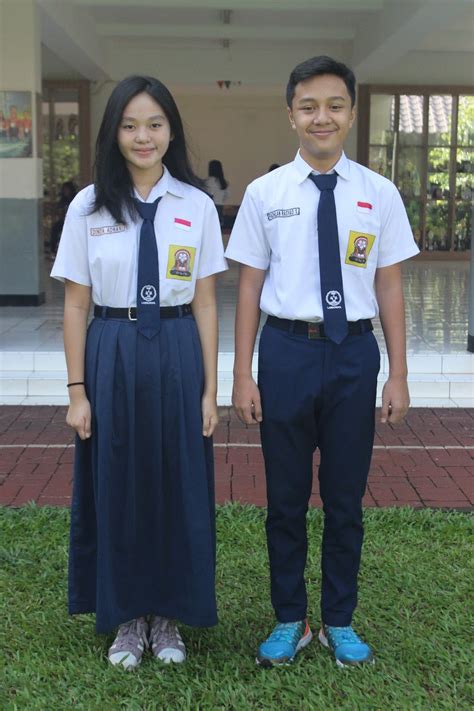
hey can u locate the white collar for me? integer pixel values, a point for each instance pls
(303, 169)
(166, 184)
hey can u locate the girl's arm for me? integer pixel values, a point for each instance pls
(76, 310)
(245, 394)
(205, 312)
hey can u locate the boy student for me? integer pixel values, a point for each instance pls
(320, 242)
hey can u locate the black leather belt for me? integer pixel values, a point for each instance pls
(316, 330)
(130, 313)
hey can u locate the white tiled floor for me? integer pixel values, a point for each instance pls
(32, 365)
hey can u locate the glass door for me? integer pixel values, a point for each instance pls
(66, 152)
(424, 142)
(463, 188)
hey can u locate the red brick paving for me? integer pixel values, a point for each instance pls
(426, 461)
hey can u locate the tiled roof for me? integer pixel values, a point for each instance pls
(411, 114)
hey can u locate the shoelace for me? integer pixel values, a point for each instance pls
(128, 628)
(286, 632)
(166, 630)
(342, 635)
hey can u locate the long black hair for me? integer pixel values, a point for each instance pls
(215, 170)
(113, 182)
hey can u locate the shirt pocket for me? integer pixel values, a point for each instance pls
(112, 252)
(282, 225)
(361, 236)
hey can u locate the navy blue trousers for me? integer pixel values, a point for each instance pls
(316, 394)
(142, 514)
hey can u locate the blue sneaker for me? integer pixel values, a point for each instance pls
(346, 646)
(284, 643)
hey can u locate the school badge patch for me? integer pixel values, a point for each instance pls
(358, 248)
(180, 262)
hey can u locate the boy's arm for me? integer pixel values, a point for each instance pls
(245, 395)
(388, 288)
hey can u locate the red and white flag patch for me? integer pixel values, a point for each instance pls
(364, 206)
(182, 224)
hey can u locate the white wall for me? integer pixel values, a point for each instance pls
(20, 70)
(192, 63)
(246, 133)
(449, 68)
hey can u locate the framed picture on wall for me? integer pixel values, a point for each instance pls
(39, 125)
(16, 124)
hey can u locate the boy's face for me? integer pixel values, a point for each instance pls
(321, 114)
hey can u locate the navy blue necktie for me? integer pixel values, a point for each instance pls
(332, 292)
(148, 282)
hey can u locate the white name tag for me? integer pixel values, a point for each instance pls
(107, 230)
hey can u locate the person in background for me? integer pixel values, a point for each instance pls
(15, 125)
(217, 187)
(3, 126)
(66, 196)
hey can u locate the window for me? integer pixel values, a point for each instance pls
(422, 138)
(66, 143)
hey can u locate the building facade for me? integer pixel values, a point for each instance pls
(228, 69)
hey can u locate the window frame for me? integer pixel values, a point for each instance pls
(365, 92)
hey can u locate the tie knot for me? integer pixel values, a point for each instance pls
(324, 182)
(146, 210)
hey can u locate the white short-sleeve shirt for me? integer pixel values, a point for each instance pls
(218, 194)
(96, 251)
(276, 230)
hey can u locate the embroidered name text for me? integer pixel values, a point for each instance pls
(289, 212)
(108, 230)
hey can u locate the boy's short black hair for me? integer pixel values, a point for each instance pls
(316, 66)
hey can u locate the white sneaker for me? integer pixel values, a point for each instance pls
(166, 642)
(129, 644)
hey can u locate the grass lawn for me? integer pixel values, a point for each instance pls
(415, 593)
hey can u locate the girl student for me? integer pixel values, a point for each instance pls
(217, 186)
(142, 380)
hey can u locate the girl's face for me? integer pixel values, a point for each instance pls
(143, 137)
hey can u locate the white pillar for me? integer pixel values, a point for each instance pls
(21, 179)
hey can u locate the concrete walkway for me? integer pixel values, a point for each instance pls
(427, 461)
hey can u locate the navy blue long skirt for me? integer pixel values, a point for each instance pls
(142, 514)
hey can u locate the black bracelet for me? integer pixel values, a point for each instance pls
(69, 385)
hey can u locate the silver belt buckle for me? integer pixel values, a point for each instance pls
(130, 314)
